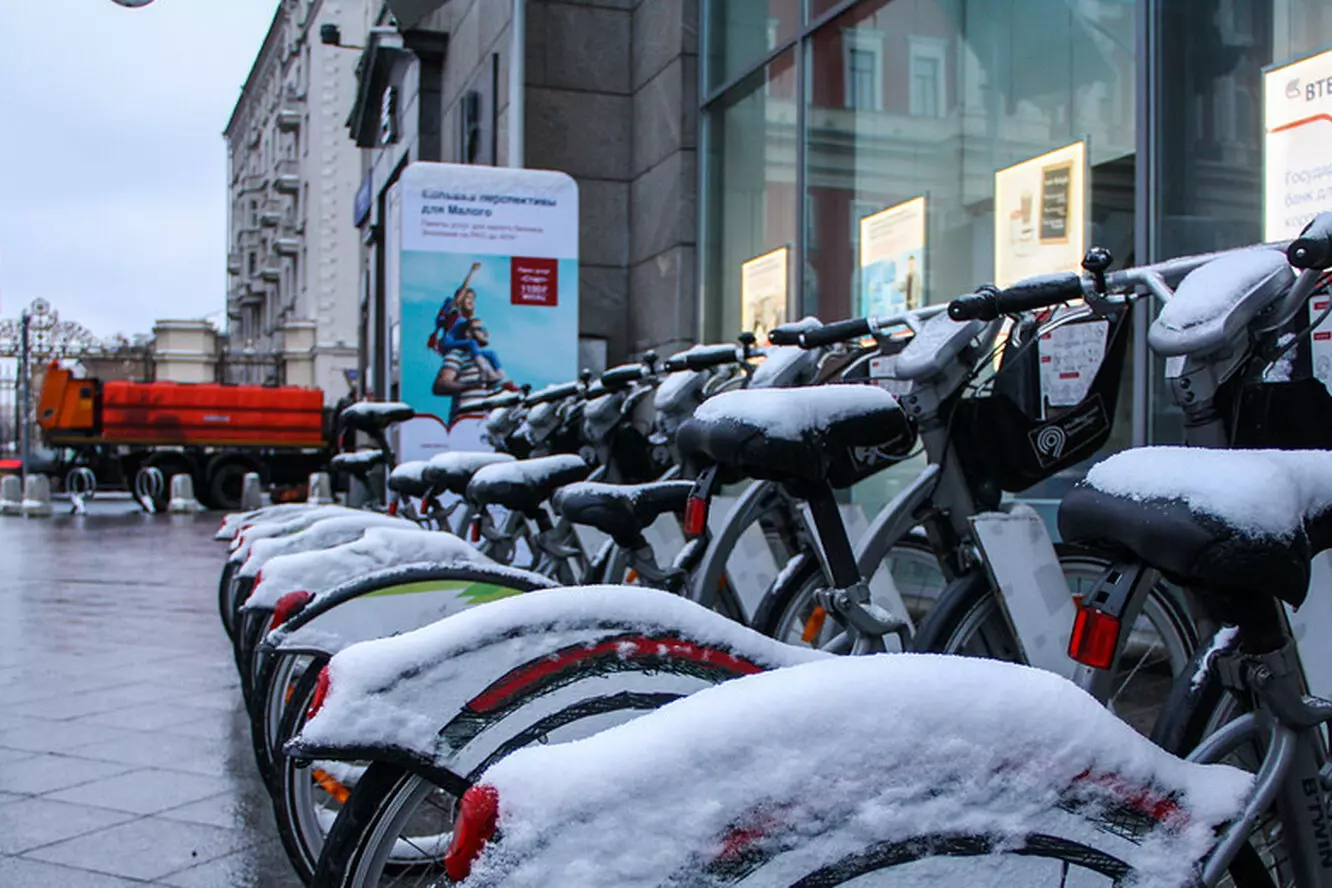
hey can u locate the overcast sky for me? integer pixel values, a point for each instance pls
(112, 165)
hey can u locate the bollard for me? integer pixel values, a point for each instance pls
(321, 489)
(36, 497)
(11, 495)
(252, 495)
(182, 495)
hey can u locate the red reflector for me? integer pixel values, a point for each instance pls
(288, 606)
(476, 823)
(321, 691)
(1095, 637)
(696, 516)
(476, 530)
(393, 508)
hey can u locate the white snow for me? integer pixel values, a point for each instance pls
(793, 413)
(409, 472)
(320, 570)
(783, 365)
(829, 757)
(281, 526)
(400, 691)
(358, 458)
(234, 521)
(375, 408)
(1258, 492)
(1281, 369)
(528, 472)
(934, 335)
(320, 535)
(466, 462)
(1221, 641)
(1204, 298)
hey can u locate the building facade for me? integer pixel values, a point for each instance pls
(293, 298)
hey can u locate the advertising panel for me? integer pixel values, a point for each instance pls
(488, 293)
(892, 259)
(763, 291)
(1297, 169)
(1040, 215)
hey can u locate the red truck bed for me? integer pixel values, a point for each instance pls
(210, 414)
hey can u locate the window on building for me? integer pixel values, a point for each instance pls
(863, 69)
(926, 75)
(251, 264)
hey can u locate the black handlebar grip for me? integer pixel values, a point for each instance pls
(838, 331)
(620, 377)
(978, 306)
(1313, 248)
(785, 334)
(1041, 291)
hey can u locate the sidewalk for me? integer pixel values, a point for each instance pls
(124, 750)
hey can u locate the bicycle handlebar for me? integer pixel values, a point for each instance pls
(703, 357)
(786, 334)
(837, 331)
(617, 378)
(1041, 291)
(1313, 248)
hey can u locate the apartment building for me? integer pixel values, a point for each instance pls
(292, 257)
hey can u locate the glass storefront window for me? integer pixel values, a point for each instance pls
(750, 186)
(739, 34)
(1208, 179)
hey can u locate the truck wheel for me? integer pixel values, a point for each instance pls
(224, 485)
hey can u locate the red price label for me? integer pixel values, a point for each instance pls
(534, 281)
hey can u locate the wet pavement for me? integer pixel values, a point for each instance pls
(124, 748)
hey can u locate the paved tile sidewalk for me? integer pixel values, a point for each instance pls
(124, 750)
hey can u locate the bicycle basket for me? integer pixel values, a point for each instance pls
(1051, 404)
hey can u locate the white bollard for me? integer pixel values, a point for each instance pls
(321, 489)
(36, 496)
(182, 495)
(11, 495)
(252, 495)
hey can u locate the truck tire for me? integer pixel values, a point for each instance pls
(223, 487)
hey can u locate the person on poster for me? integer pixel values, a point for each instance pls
(911, 284)
(451, 321)
(464, 378)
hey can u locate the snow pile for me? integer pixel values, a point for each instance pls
(1257, 492)
(358, 459)
(320, 535)
(399, 691)
(810, 764)
(407, 476)
(528, 472)
(376, 409)
(283, 525)
(466, 463)
(379, 547)
(938, 342)
(785, 365)
(1194, 318)
(234, 521)
(794, 413)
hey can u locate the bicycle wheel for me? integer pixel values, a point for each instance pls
(276, 687)
(393, 830)
(1198, 705)
(224, 597)
(790, 613)
(970, 621)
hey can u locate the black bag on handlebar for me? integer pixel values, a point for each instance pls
(1004, 437)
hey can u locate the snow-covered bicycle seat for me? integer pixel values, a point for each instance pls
(804, 434)
(406, 478)
(935, 347)
(453, 471)
(621, 510)
(524, 484)
(1215, 303)
(357, 462)
(376, 416)
(1231, 520)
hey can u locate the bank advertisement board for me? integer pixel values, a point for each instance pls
(1297, 167)
(764, 284)
(488, 293)
(1040, 215)
(892, 259)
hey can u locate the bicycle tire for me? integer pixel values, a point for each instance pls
(224, 597)
(380, 803)
(299, 840)
(274, 693)
(968, 620)
(789, 600)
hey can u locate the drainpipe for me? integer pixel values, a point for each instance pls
(517, 79)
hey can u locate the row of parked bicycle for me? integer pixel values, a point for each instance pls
(554, 665)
